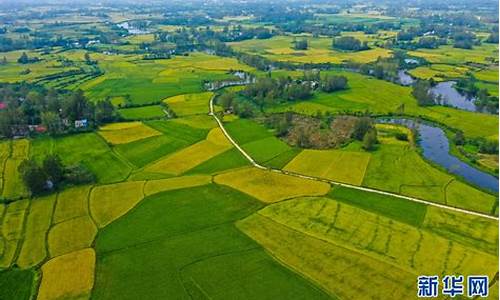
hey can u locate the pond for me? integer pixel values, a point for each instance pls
(436, 148)
(451, 97)
(446, 92)
(131, 29)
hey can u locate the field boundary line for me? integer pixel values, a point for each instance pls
(371, 190)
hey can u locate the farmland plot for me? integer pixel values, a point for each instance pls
(228, 266)
(368, 250)
(344, 166)
(269, 186)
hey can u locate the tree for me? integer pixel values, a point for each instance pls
(303, 138)
(333, 83)
(464, 40)
(86, 56)
(300, 44)
(493, 37)
(296, 91)
(53, 101)
(428, 42)
(459, 138)
(9, 119)
(370, 139)
(421, 92)
(105, 111)
(226, 100)
(244, 109)
(23, 59)
(77, 107)
(361, 127)
(52, 122)
(349, 43)
(54, 168)
(33, 176)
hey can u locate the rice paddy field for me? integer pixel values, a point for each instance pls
(151, 81)
(189, 104)
(142, 113)
(262, 228)
(193, 204)
(447, 54)
(439, 72)
(356, 245)
(280, 48)
(260, 143)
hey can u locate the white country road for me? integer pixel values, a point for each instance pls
(255, 164)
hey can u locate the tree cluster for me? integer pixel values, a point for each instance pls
(300, 44)
(493, 37)
(51, 174)
(24, 59)
(272, 90)
(483, 99)
(322, 131)
(349, 43)
(269, 91)
(26, 104)
(464, 40)
(365, 131)
(332, 83)
(421, 92)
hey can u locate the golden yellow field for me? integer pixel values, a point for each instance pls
(270, 186)
(343, 166)
(73, 234)
(122, 133)
(372, 255)
(34, 248)
(189, 104)
(161, 185)
(72, 203)
(12, 229)
(188, 158)
(70, 276)
(319, 51)
(109, 202)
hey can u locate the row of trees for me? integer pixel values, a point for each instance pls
(51, 174)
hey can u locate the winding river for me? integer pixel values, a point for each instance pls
(436, 148)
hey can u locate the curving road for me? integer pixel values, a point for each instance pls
(257, 165)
